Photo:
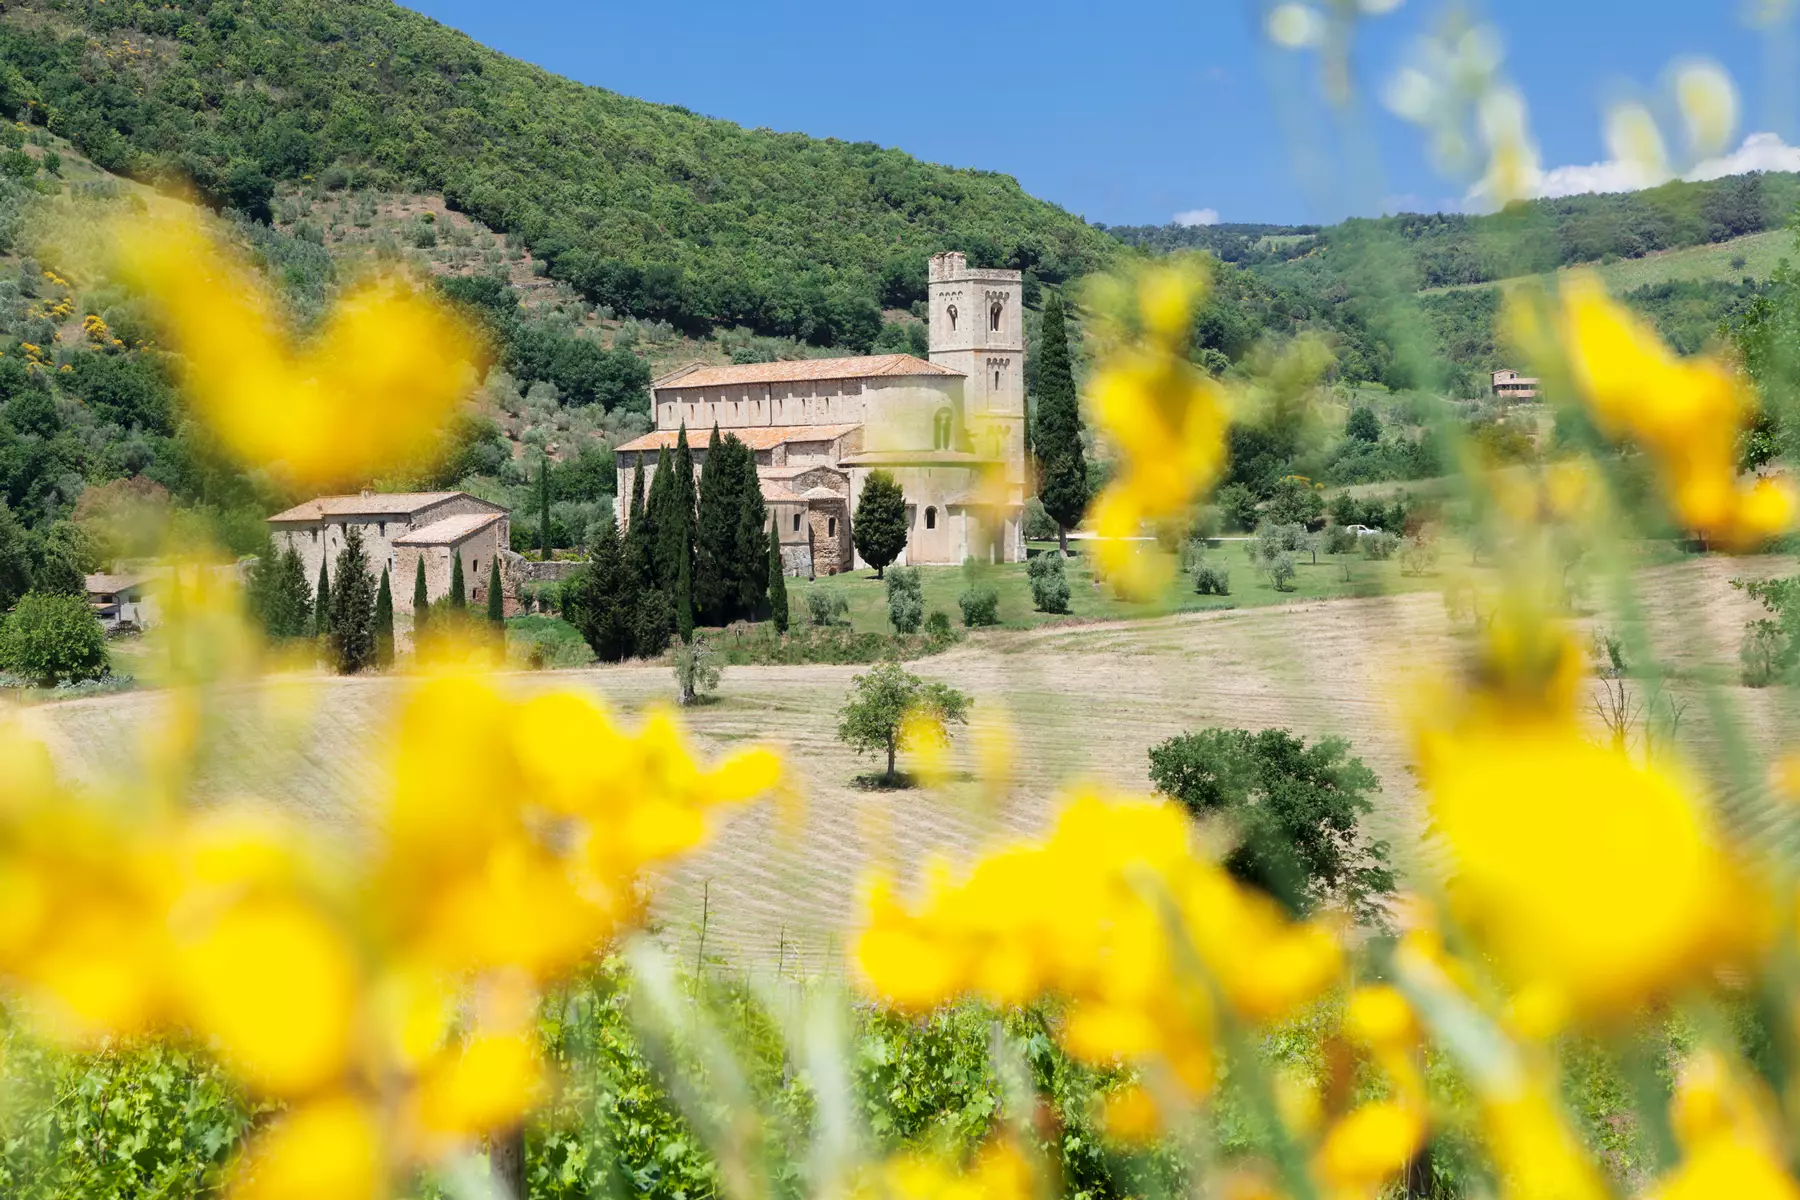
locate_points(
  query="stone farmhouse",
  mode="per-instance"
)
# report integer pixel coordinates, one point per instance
(399, 529)
(951, 430)
(1510, 385)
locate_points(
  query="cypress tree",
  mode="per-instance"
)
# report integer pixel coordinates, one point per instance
(748, 556)
(675, 531)
(1057, 438)
(645, 540)
(777, 582)
(353, 607)
(459, 592)
(322, 603)
(684, 595)
(294, 604)
(637, 490)
(603, 598)
(384, 622)
(496, 603)
(714, 529)
(544, 546)
(421, 599)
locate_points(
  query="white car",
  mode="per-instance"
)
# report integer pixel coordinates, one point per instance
(1362, 531)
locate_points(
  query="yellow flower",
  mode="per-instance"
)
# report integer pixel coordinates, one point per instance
(1130, 1115)
(327, 1147)
(1369, 1146)
(1728, 1167)
(371, 394)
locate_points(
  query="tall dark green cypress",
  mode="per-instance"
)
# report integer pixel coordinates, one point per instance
(675, 530)
(322, 603)
(1057, 438)
(777, 582)
(544, 547)
(496, 603)
(421, 599)
(644, 541)
(603, 598)
(750, 571)
(384, 622)
(353, 607)
(459, 591)
(637, 490)
(713, 529)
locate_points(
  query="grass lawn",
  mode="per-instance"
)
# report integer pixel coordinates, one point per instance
(867, 596)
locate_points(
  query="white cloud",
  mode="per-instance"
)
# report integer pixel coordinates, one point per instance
(1759, 152)
(1198, 216)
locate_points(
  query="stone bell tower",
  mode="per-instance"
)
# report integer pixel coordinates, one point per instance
(977, 327)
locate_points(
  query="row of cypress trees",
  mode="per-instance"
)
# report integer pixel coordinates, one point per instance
(691, 554)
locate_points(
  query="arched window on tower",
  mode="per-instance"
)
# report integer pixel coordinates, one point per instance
(951, 313)
(940, 430)
(994, 317)
(996, 379)
(931, 518)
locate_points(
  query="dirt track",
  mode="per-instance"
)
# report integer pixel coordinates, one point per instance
(1086, 702)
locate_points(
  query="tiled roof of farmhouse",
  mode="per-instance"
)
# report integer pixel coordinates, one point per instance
(449, 531)
(757, 437)
(801, 370)
(371, 504)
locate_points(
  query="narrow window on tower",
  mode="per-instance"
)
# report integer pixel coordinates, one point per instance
(951, 313)
(831, 527)
(931, 518)
(994, 317)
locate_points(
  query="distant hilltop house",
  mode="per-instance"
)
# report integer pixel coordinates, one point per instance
(951, 430)
(399, 530)
(121, 602)
(1510, 385)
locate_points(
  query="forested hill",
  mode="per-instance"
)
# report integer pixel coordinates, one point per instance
(651, 210)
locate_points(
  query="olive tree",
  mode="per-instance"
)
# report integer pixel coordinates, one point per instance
(50, 638)
(875, 716)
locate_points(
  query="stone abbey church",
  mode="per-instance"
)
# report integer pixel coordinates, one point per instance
(951, 430)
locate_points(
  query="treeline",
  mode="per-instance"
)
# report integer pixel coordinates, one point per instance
(691, 555)
(649, 209)
(1244, 244)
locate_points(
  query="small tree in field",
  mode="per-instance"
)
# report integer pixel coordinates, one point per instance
(874, 717)
(49, 638)
(880, 525)
(697, 669)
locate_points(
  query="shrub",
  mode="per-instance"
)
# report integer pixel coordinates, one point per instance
(937, 625)
(1418, 555)
(1212, 578)
(1380, 546)
(1049, 583)
(905, 599)
(1761, 652)
(1339, 540)
(1281, 571)
(1038, 525)
(52, 638)
(980, 606)
(826, 608)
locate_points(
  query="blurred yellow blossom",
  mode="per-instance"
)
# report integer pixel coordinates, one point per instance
(1709, 106)
(369, 394)
(999, 1172)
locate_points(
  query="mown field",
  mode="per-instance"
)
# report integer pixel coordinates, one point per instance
(1761, 254)
(1086, 702)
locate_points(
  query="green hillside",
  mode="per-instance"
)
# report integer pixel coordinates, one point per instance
(646, 209)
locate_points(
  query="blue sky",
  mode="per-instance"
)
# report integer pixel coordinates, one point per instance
(1127, 112)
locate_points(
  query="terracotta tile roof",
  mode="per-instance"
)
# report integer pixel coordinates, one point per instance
(375, 504)
(757, 437)
(449, 531)
(802, 370)
(775, 492)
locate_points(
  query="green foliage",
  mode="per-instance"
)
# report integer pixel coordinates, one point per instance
(778, 596)
(1038, 525)
(1049, 583)
(980, 604)
(1237, 505)
(51, 639)
(672, 497)
(1212, 578)
(1770, 650)
(730, 555)
(880, 702)
(496, 595)
(321, 623)
(826, 609)
(697, 669)
(605, 601)
(1418, 555)
(457, 600)
(1363, 425)
(1379, 547)
(278, 594)
(545, 545)
(384, 622)
(1294, 501)
(15, 558)
(1056, 436)
(777, 232)
(937, 625)
(905, 599)
(421, 598)
(353, 635)
(1296, 810)
(880, 521)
